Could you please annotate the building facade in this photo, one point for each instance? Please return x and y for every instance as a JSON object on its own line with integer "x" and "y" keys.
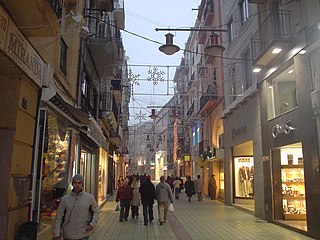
{"x": 52, "y": 124}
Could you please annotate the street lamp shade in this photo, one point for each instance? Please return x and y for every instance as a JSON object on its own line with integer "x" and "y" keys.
{"x": 169, "y": 48}
{"x": 153, "y": 114}
{"x": 214, "y": 49}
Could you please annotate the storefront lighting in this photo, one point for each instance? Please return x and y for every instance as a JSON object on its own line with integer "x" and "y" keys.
{"x": 290, "y": 71}
{"x": 256, "y": 70}
{"x": 276, "y": 50}
{"x": 303, "y": 51}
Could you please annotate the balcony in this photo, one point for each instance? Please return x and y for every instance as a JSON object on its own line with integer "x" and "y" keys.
{"x": 105, "y": 42}
{"x": 119, "y": 13}
{"x": 209, "y": 98}
{"x": 36, "y": 13}
{"x": 106, "y": 5}
{"x": 208, "y": 13}
{"x": 275, "y": 31}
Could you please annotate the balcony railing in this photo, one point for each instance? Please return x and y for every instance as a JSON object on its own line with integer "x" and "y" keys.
{"x": 57, "y": 6}
{"x": 275, "y": 28}
{"x": 190, "y": 110}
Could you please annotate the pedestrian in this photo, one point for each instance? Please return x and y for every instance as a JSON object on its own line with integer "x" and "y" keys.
{"x": 164, "y": 198}
{"x": 124, "y": 195}
{"x": 170, "y": 180}
{"x": 212, "y": 187}
{"x": 135, "y": 202}
{"x": 199, "y": 187}
{"x": 77, "y": 214}
{"x": 176, "y": 184}
{"x": 148, "y": 194}
{"x": 189, "y": 186}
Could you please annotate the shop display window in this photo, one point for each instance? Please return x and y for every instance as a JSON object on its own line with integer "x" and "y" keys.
{"x": 293, "y": 188}
{"x": 54, "y": 170}
{"x": 244, "y": 176}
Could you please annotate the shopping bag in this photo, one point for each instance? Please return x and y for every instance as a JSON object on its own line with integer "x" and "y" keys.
{"x": 117, "y": 207}
{"x": 171, "y": 208}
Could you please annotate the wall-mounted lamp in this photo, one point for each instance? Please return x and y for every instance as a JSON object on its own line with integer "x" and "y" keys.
{"x": 169, "y": 48}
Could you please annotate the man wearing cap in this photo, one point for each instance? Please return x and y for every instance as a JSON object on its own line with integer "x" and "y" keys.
{"x": 77, "y": 214}
{"x": 164, "y": 198}
{"x": 148, "y": 194}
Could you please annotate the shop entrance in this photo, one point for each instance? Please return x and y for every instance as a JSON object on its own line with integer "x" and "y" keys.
{"x": 243, "y": 163}
{"x": 289, "y": 186}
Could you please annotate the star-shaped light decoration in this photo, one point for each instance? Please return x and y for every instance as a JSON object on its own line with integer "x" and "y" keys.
{"x": 140, "y": 116}
{"x": 155, "y": 75}
{"x": 134, "y": 79}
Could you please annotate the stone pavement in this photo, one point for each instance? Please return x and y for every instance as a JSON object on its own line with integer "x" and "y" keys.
{"x": 210, "y": 219}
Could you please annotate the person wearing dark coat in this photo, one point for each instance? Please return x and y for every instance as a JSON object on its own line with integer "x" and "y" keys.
{"x": 148, "y": 194}
{"x": 190, "y": 189}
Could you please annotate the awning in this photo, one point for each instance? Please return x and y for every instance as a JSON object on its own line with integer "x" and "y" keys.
{"x": 75, "y": 115}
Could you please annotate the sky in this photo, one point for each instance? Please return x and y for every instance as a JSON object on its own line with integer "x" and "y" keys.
{"x": 150, "y": 68}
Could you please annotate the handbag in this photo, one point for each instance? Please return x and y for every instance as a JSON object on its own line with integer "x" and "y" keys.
{"x": 117, "y": 207}
{"x": 171, "y": 208}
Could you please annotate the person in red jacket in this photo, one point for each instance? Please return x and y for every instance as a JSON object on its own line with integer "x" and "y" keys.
{"x": 125, "y": 195}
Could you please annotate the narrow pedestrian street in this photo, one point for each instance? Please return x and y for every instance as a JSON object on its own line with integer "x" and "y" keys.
{"x": 209, "y": 219}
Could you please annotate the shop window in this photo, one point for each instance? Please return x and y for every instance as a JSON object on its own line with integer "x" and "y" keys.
{"x": 54, "y": 169}
{"x": 244, "y": 173}
{"x": 282, "y": 93}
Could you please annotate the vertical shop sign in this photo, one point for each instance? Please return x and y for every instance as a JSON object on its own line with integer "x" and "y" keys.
{"x": 4, "y": 24}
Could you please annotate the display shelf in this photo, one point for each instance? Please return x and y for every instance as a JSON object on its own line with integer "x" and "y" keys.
{"x": 294, "y": 198}
{"x": 292, "y": 183}
{"x": 291, "y": 166}
{"x": 295, "y": 216}
{"x": 293, "y": 192}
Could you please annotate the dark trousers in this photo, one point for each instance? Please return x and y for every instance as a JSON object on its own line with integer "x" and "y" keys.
{"x": 176, "y": 193}
{"x": 147, "y": 211}
{"x": 134, "y": 211}
{"x": 124, "y": 209}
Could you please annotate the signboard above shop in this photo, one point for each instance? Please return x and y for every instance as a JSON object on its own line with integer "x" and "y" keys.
{"x": 17, "y": 47}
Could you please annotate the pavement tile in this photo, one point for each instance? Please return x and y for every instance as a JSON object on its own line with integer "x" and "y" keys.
{"x": 207, "y": 220}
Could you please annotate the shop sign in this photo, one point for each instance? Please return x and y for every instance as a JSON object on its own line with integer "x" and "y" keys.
{"x": 4, "y": 25}
{"x": 285, "y": 128}
{"x": 18, "y": 49}
{"x": 236, "y": 132}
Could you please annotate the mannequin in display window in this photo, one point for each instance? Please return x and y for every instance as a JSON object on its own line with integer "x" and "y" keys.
{"x": 244, "y": 175}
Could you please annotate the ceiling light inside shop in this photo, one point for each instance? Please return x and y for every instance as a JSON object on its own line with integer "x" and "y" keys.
{"x": 291, "y": 71}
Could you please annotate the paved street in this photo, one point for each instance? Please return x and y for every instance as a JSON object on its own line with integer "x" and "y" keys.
{"x": 210, "y": 219}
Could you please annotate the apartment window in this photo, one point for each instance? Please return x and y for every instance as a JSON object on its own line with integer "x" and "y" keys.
{"x": 282, "y": 93}
{"x": 244, "y": 8}
{"x": 247, "y": 70}
{"x": 63, "y": 56}
{"x": 230, "y": 30}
